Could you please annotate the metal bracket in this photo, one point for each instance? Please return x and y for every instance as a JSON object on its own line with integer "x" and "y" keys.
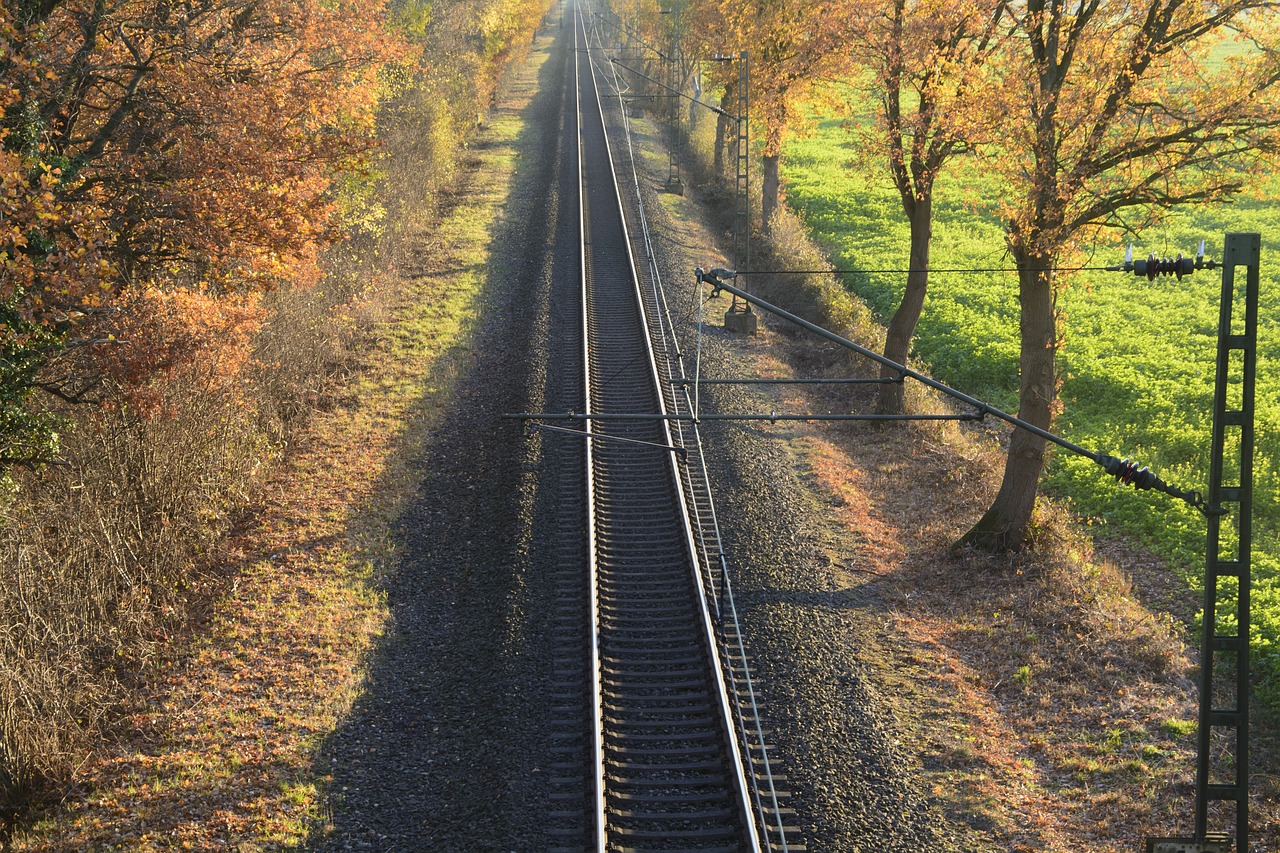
{"x": 1214, "y": 842}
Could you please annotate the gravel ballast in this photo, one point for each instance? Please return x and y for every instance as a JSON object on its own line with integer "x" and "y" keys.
{"x": 448, "y": 747}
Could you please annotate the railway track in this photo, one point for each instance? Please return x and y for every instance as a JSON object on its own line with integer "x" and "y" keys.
{"x": 672, "y": 755}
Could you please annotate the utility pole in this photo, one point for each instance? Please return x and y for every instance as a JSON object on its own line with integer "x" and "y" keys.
{"x": 1222, "y": 743}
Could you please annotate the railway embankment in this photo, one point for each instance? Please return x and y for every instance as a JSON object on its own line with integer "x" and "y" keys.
{"x": 373, "y": 676}
{"x": 1042, "y": 701}
{"x": 239, "y": 745}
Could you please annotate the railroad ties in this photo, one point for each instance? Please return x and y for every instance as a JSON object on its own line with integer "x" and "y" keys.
{"x": 656, "y": 739}
{"x": 663, "y": 771}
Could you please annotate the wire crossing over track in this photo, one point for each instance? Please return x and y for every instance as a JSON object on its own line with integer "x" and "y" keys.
{"x": 675, "y": 756}
{"x": 667, "y": 775}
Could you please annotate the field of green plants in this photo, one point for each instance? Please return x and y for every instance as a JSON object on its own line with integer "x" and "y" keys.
{"x": 1137, "y": 361}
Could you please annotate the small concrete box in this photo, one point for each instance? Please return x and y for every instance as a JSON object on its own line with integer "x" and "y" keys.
{"x": 742, "y": 322}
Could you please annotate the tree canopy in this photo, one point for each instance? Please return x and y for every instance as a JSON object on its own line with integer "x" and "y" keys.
{"x": 929, "y": 68}
{"x": 1112, "y": 113}
{"x": 148, "y": 143}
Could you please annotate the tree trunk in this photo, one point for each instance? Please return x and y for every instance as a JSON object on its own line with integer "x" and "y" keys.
{"x": 768, "y": 191}
{"x": 902, "y": 328}
{"x": 1005, "y": 526}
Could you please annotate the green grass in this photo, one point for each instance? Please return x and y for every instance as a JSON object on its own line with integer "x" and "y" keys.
{"x": 1137, "y": 362}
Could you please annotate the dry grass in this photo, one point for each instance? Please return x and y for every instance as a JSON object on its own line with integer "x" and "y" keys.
{"x": 1050, "y": 707}
{"x": 98, "y": 573}
{"x": 1049, "y": 694}
{"x": 107, "y": 558}
{"x": 310, "y": 344}
{"x": 215, "y": 749}
{"x": 1053, "y": 709}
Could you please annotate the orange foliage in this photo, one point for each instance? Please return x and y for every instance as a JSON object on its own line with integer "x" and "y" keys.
{"x": 50, "y": 261}
{"x": 1113, "y": 113}
{"x": 209, "y": 134}
{"x": 794, "y": 45}
{"x": 49, "y": 258}
{"x": 149, "y": 144}
{"x": 206, "y": 342}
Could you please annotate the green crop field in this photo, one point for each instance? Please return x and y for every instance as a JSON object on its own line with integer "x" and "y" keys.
{"x": 1137, "y": 362}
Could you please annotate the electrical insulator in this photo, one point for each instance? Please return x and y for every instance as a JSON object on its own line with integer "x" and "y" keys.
{"x": 1153, "y": 266}
{"x": 1128, "y": 473}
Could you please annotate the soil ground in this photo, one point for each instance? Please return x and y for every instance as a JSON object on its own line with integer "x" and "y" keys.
{"x": 369, "y": 678}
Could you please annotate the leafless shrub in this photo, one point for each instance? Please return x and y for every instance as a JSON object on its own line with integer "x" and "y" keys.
{"x": 307, "y": 344}
{"x": 99, "y": 558}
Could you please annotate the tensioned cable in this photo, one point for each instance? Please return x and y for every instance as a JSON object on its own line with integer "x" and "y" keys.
{"x": 619, "y": 89}
{"x": 680, "y": 451}
{"x": 725, "y": 587}
{"x": 625, "y": 28}
{"x": 650, "y": 255}
{"x": 675, "y": 93}
{"x": 957, "y": 271}
{"x": 1125, "y": 470}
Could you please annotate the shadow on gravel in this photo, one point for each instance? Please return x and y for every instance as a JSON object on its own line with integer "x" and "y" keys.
{"x": 447, "y": 271}
{"x": 436, "y": 754}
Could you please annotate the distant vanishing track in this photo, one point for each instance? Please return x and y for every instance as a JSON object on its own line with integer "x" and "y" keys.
{"x": 668, "y": 781}
{"x": 668, "y": 775}
{"x": 660, "y": 763}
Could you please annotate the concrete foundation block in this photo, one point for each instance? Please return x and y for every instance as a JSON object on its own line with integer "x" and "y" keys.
{"x": 742, "y": 322}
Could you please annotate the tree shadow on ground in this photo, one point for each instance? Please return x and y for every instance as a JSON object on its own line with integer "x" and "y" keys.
{"x": 439, "y": 751}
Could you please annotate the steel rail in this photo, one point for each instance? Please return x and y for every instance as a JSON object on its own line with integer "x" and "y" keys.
{"x": 706, "y": 525}
{"x": 647, "y": 784}
{"x": 708, "y": 630}
{"x": 593, "y": 605}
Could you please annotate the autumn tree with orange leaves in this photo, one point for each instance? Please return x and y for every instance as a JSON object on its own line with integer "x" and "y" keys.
{"x": 175, "y": 175}
{"x": 207, "y": 133}
{"x": 794, "y": 46}
{"x": 51, "y": 267}
{"x": 153, "y": 144}
{"x": 1114, "y": 112}
{"x": 929, "y": 67}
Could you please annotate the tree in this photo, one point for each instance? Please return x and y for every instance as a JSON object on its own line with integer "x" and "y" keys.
{"x": 51, "y": 271}
{"x": 178, "y": 145}
{"x": 1114, "y": 113}
{"x": 209, "y": 133}
{"x": 794, "y": 46}
{"x": 928, "y": 58}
